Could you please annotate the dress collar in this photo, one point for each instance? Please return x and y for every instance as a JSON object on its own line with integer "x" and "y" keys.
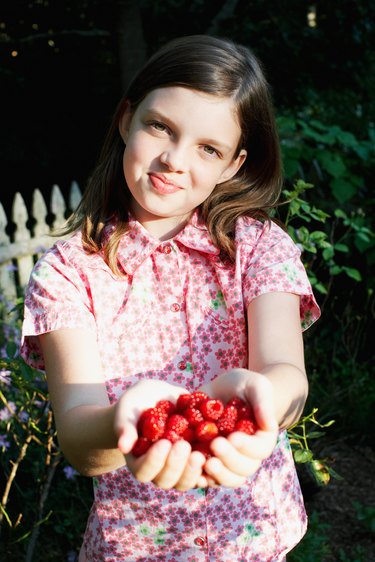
{"x": 137, "y": 244}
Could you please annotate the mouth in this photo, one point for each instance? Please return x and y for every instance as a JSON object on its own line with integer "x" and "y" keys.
{"x": 162, "y": 185}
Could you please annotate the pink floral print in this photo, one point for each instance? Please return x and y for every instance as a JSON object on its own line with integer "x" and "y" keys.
{"x": 178, "y": 314}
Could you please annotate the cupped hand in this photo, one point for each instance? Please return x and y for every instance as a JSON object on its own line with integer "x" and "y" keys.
{"x": 239, "y": 456}
{"x": 165, "y": 464}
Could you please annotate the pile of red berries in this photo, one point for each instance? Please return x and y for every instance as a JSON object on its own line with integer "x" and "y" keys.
{"x": 196, "y": 418}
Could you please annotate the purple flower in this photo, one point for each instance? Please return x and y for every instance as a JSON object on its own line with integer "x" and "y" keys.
{"x": 5, "y": 414}
{"x": 72, "y": 556}
{"x": 70, "y": 472}
{"x": 23, "y": 416}
{"x": 4, "y": 442}
{"x": 11, "y": 267}
{"x": 5, "y": 377}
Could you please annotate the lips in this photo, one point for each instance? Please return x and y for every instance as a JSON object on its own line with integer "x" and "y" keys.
{"x": 162, "y": 185}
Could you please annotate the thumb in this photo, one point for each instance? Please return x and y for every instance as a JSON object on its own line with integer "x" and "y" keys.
{"x": 125, "y": 427}
{"x": 127, "y": 436}
{"x": 264, "y": 406}
{"x": 265, "y": 415}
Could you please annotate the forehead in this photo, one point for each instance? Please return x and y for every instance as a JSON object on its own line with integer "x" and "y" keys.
{"x": 193, "y": 108}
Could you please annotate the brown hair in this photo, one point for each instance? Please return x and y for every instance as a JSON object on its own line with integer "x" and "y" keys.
{"x": 214, "y": 66}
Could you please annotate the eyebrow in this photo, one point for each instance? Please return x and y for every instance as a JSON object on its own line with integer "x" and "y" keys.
{"x": 155, "y": 114}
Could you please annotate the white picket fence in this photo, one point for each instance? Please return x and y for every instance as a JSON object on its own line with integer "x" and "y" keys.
{"x": 19, "y": 252}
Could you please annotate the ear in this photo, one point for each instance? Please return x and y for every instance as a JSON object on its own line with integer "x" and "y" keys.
{"x": 124, "y": 124}
{"x": 233, "y": 167}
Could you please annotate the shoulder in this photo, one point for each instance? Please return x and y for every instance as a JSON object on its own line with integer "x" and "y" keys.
{"x": 252, "y": 234}
{"x": 70, "y": 253}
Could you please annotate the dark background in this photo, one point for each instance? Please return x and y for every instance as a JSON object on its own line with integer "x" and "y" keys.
{"x": 63, "y": 68}
{"x": 64, "y": 64}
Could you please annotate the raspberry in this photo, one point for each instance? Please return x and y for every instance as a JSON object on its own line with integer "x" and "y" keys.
{"x": 193, "y": 416}
{"x": 157, "y": 412}
{"x": 230, "y": 412}
{"x": 227, "y": 421}
{"x": 141, "y": 446}
{"x": 177, "y": 423}
{"x": 197, "y": 398}
{"x": 246, "y": 426}
{"x": 206, "y": 431}
{"x": 153, "y": 427}
{"x": 188, "y": 435}
{"x": 183, "y": 401}
{"x": 244, "y": 411}
{"x": 166, "y": 406}
{"x": 225, "y": 426}
{"x": 211, "y": 409}
{"x": 172, "y": 435}
{"x": 203, "y": 448}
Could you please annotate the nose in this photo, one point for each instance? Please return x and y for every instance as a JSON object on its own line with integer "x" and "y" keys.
{"x": 174, "y": 158}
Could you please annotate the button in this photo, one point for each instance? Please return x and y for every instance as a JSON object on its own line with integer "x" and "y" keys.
{"x": 199, "y": 541}
{"x": 182, "y": 365}
{"x": 175, "y": 307}
{"x": 167, "y": 249}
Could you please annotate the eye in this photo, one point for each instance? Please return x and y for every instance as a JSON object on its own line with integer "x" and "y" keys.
{"x": 158, "y": 126}
{"x": 211, "y": 151}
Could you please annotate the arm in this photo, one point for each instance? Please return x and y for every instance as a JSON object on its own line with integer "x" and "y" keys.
{"x": 83, "y": 415}
{"x": 276, "y": 351}
{"x": 275, "y": 384}
{"x": 95, "y": 435}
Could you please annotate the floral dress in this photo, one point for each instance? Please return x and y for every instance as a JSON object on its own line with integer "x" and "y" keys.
{"x": 177, "y": 314}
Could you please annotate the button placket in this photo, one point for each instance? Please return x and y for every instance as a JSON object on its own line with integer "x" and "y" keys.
{"x": 167, "y": 249}
{"x": 200, "y": 541}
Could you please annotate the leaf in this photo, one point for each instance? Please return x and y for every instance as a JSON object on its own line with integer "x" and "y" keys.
{"x": 11, "y": 349}
{"x": 291, "y": 166}
{"x": 341, "y": 248}
{"x": 315, "y": 434}
{"x": 328, "y": 253}
{"x": 335, "y": 270}
{"x": 302, "y": 455}
{"x": 353, "y": 273}
{"x": 321, "y": 288}
{"x": 340, "y": 214}
{"x": 342, "y": 189}
{"x": 332, "y": 163}
{"x": 320, "y": 472}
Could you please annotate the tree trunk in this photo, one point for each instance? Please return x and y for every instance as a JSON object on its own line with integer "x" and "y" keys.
{"x": 131, "y": 43}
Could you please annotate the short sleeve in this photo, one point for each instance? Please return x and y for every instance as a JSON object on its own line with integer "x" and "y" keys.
{"x": 273, "y": 264}
{"x": 56, "y": 297}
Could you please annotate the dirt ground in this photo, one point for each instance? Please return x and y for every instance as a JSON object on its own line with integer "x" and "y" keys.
{"x": 335, "y": 503}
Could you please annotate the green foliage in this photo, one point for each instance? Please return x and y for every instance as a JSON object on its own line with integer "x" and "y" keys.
{"x": 39, "y": 490}
{"x": 329, "y": 213}
{"x": 300, "y": 437}
{"x": 366, "y": 514}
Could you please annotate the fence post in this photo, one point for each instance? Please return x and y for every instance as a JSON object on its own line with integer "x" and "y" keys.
{"x": 7, "y": 280}
{"x": 22, "y": 234}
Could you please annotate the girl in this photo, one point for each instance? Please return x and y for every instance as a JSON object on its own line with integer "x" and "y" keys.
{"x": 176, "y": 280}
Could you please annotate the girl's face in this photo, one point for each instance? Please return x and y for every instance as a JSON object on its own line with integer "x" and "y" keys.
{"x": 180, "y": 144}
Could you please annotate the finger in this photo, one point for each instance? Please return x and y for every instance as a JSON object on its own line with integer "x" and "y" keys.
{"x": 174, "y": 465}
{"x": 127, "y": 438}
{"x": 257, "y": 446}
{"x": 190, "y": 477}
{"x": 233, "y": 459}
{"x": 222, "y": 475}
{"x": 148, "y": 466}
{"x": 261, "y": 398}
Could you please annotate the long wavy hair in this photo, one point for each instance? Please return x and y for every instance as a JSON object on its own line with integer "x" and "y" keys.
{"x": 214, "y": 66}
